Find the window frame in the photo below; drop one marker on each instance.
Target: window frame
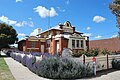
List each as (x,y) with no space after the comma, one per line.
(33,44)
(73,43)
(77,44)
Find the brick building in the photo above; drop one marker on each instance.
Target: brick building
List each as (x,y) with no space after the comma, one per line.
(55,40)
(112,44)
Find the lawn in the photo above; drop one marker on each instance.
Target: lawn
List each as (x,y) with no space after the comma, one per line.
(5,73)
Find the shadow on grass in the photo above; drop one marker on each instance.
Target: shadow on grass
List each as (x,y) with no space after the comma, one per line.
(3,56)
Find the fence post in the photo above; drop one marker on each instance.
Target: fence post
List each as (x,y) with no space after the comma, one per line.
(83,59)
(94,65)
(107,62)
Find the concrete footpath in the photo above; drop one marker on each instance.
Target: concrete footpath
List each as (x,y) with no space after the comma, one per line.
(21,72)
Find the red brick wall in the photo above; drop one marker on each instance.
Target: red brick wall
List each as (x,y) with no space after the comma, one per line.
(63,44)
(28,45)
(53,46)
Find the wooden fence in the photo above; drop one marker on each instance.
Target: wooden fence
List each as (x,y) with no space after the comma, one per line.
(102,62)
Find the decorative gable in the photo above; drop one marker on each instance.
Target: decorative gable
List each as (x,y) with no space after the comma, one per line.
(67,27)
(67,24)
(32,38)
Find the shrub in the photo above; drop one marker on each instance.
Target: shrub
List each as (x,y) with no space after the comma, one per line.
(13,55)
(105,51)
(63,68)
(30,63)
(95,51)
(116,64)
(8,53)
(18,57)
(91,52)
(24,60)
(88,54)
(77,54)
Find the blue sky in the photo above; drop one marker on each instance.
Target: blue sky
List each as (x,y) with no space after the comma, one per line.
(92,17)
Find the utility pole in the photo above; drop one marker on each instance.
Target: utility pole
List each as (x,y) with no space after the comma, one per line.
(48,24)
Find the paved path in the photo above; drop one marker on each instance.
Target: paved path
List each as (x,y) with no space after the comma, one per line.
(110,76)
(106,75)
(20,72)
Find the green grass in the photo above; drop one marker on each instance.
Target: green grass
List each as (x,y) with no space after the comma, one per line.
(5,73)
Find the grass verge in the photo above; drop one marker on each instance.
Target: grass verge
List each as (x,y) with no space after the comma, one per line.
(5,73)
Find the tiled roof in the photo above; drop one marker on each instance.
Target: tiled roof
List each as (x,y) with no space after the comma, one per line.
(57,27)
(112,44)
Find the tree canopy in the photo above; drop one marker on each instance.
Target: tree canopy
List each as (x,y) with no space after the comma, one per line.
(115,8)
(8,35)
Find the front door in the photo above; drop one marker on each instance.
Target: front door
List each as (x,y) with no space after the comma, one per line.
(42,49)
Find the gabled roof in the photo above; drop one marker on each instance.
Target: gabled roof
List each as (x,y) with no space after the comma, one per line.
(112,44)
(61,27)
(53,28)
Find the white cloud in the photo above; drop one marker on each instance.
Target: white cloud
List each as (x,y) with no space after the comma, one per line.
(22,38)
(16,23)
(21,34)
(114,36)
(87,34)
(8,21)
(18,0)
(61,10)
(30,18)
(98,19)
(43,12)
(35,32)
(25,23)
(88,28)
(67,2)
(98,37)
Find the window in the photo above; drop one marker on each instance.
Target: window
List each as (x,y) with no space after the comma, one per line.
(73,43)
(77,44)
(82,44)
(48,43)
(33,44)
(67,24)
(58,32)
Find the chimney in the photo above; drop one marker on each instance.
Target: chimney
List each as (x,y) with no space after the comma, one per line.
(39,30)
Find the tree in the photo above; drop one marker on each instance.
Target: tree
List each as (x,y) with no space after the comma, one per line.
(8,35)
(115,8)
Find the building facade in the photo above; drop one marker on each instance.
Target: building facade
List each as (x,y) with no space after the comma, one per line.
(55,40)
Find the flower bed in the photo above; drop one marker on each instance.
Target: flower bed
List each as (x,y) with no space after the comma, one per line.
(52,67)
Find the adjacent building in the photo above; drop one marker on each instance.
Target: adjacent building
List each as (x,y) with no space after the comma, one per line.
(111,44)
(55,40)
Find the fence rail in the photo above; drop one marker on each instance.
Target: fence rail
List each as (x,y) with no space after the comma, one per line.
(102,62)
